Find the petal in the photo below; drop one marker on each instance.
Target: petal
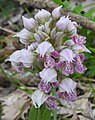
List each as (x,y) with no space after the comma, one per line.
(58,38)
(48,75)
(85,49)
(44,47)
(45,87)
(56,12)
(71,29)
(78,39)
(38,98)
(80,68)
(67,85)
(59,65)
(15,57)
(66,55)
(79,48)
(33,46)
(70,96)
(62,23)
(69,43)
(68,69)
(42,16)
(55,54)
(49,62)
(29,24)
(53,33)
(50,104)
(24,36)
(27,58)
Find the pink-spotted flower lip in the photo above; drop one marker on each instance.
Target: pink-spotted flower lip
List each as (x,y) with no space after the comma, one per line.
(44,48)
(78,39)
(20,68)
(49,62)
(80,68)
(59,65)
(30,24)
(67,55)
(48,75)
(38,98)
(68,68)
(50,102)
(46,87)
(67,89)
(55,54)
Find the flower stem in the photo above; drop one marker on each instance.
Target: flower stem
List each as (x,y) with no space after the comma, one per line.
(54,111)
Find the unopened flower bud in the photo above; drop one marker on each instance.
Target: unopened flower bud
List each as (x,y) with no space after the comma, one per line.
(42,16)
(29,24)
(56,12)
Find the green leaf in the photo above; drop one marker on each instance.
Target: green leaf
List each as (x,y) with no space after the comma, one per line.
(78,9)
(41,113)
(66,4)
(89,13)
(33,113)
(59,2)
(92,49)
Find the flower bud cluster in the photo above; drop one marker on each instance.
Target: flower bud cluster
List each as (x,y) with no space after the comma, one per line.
(45,42)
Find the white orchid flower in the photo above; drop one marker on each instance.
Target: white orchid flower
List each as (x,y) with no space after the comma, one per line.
(23,56)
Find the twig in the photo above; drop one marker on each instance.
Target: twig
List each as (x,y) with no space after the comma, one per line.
(6,30)
(83,78)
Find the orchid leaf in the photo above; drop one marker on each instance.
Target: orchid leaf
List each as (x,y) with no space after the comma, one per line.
(41,113)
(59,2)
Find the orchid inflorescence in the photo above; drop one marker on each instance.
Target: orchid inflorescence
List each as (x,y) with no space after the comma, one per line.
(51,41)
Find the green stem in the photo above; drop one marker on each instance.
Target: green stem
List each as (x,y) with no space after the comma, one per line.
(54,111)
(55,114)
